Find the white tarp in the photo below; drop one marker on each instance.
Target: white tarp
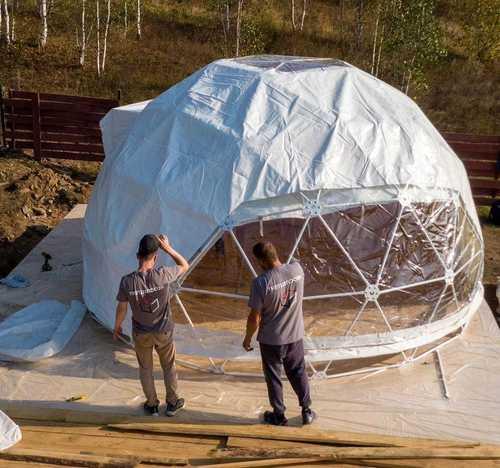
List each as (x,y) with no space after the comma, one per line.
(240,133)
(10,433)
(39,331)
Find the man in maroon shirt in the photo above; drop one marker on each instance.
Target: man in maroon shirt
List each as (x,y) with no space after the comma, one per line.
(148,291)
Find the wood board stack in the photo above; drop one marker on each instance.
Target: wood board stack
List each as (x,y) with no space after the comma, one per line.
(155,444)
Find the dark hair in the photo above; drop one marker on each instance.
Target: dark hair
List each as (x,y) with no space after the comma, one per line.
(265,251)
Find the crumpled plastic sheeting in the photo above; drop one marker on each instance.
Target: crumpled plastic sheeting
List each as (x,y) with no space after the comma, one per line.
(253,135)
(10,433)
(39,331)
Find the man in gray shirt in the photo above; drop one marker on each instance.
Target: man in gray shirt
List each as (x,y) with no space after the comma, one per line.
(148,291)
(276,312)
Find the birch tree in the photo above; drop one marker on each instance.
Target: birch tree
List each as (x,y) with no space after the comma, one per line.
(84,34)
(106,31)
(125,18)
(238,27)
(7,21)
(98,36)
(43,12)
(413,40)
(298,23)
(139,25)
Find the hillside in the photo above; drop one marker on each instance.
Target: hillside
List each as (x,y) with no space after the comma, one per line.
(455,82)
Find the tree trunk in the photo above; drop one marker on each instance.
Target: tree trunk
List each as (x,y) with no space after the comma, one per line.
(381,43)
(7,21)
(304,10)
(98,26)
(43,15)
(83,46)
(1,21)
(125,19)
(139,30)
(292,7)
(374,50)
(359,23)
(13,22)
(105,45)
(238,27)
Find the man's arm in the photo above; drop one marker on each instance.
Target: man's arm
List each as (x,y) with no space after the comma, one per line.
(253,323)
(179,260)
(121,313)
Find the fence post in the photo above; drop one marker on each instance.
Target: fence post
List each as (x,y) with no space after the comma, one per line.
(2,115)
(37,153)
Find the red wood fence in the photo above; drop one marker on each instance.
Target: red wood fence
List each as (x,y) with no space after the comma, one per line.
(481,157)
(67,127)
(55,126)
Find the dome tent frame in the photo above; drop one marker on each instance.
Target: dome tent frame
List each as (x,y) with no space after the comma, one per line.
(243,142)
(406,342)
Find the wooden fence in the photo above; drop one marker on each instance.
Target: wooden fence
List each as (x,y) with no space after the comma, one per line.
(67,127)
(54,125)
(481,157)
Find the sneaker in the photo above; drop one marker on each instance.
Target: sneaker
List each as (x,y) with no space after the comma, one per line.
(270,417)
(151,410)
(308,416)
(172,409)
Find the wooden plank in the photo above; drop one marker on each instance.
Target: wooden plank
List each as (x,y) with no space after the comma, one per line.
(70,117)
(71,129)
(267,462)
(483,201)
(489,184)
(13,93)
(36,127)
(68,121)
(78,107)
(66,138)
(376,453)
(83,147)
(21,120)
(83,99)
(72,156)
(99,431)
(114,446)
(480,168)
(289,433)
(468,137)
(18,104)
(60,458)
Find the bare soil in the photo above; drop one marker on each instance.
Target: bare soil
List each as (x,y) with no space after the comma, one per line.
(34,197)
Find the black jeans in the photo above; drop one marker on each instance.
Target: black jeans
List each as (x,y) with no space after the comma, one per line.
(291,357)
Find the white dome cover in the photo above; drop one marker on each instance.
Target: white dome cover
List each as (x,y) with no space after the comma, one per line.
(223,144)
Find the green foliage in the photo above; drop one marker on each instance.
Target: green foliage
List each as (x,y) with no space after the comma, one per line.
(413,39)
(482,29)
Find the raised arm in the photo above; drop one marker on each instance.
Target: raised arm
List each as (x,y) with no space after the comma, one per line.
(176,256)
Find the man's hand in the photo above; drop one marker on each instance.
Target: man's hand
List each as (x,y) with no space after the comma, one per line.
(117,332)
(247,346)
(164,242)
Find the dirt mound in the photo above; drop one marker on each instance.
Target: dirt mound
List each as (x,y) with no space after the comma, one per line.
(34,196)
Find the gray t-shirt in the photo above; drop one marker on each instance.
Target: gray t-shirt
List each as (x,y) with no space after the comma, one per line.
(278,294)
(149,296)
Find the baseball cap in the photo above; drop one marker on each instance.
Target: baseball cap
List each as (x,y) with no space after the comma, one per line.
(148,245)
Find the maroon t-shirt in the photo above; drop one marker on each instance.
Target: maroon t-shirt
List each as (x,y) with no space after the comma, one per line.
(148,294)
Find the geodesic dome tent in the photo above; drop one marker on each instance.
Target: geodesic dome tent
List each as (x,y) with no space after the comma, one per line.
(341,171)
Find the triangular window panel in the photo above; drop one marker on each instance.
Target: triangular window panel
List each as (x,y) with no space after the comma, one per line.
(222,269)
(440,220)
(410,307)
(365,231)
(411,258)
(368,320)
(328,270)
(283,233)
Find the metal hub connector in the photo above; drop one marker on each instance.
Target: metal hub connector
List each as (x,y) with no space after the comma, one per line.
(312,208)
(372,292)
(228,224)
(449,276)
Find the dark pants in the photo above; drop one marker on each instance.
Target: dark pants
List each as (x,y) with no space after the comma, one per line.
(291,357)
